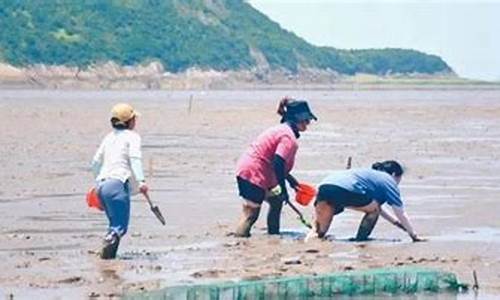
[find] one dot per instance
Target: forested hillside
(208, 34)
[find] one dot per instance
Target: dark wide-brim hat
(299, 111)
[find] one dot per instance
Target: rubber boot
(110, 245)
(250, 215)
(366, 226)
(274, 215)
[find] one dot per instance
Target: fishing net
(369, 282)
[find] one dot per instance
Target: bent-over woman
(365, 190)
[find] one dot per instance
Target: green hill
(208, 34)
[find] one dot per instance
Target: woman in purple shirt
(364, 190)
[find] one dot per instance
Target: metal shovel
(155, 209)
(299, 214)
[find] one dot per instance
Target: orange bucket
(305, 193)
(93, 199)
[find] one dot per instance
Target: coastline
(152, 76)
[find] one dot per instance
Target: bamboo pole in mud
(475, 286)
(190, 105)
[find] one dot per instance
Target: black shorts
(340, 198)
(250, 191)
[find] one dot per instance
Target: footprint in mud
(252, 277)
(109, 274)
(60, 175)
(292, 261)
(293, 234)
(348, 268)
(219, 225)
(139, 255)
(369, 240)
(208, 273)
(69, 280)
(235, 244)
(312, 251)
(23, 265)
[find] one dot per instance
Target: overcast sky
(465, 33)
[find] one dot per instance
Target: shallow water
(478, 234)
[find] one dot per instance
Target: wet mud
(448, 140)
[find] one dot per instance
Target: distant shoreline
(318, 87)
(110, 76)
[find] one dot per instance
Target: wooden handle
(146, 195)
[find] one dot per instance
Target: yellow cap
(123, 112)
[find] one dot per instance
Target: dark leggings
(340, 198)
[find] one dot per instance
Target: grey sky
(465, 33)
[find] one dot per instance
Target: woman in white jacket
(116, 164)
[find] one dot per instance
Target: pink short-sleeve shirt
(255, 165)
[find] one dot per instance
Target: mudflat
(449, 141)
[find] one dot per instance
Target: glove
(275, 191)
(278, 192)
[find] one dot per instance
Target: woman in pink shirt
(264, 167)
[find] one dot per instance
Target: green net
(369, 282)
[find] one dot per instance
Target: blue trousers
(115, 198)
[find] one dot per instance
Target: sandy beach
(449, 141)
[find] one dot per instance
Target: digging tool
(299, 214)
(294, 183)
(156, 211)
